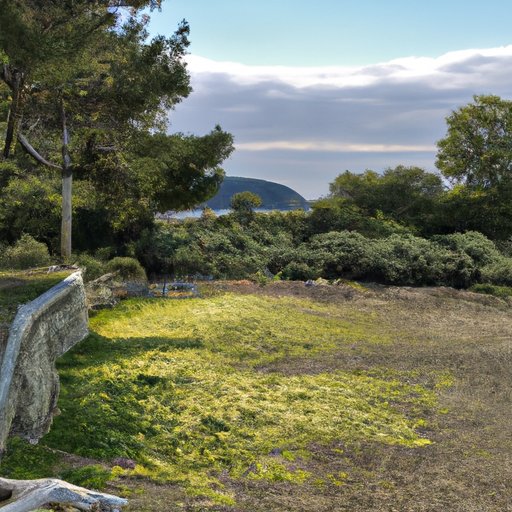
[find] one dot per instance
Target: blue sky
(310, 89)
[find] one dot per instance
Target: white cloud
(303, 126)
(443, 70)
(332, 147)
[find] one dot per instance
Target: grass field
(289, 399)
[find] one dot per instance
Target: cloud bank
(303, 126)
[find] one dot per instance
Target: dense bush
(492, 289)
(498, 272)
(477, 246)
(344, 253)
(25, 253)
(92, 267)
(336, 214)
(410, 260)
(128, 268)
(282, 243)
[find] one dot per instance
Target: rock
(42, 330)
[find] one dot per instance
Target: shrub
(344, 253)
(26, 253)
(128, 268)
(410, 260)
(92, 268)
(299, 271)
(499, 272)
(477, 246)
(491, 289)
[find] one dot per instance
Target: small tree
(243, 204)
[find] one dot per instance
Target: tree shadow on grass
(97, 350)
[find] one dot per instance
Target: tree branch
(27, 495)
(25, 144)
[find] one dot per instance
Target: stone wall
(41, 332)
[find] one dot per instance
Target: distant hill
(274, 196)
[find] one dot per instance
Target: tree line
(85, 96)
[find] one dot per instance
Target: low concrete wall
(41, 332)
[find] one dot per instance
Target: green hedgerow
(27, 252)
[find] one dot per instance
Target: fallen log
(27, 495)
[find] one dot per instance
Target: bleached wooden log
(27, 495)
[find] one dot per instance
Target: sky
(311, 89)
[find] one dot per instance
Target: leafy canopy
(477, 149)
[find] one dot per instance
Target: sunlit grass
(174, 385)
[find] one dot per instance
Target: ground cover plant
(284, 397)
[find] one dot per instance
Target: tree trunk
(67, 183)
(27, 495)
(15, 80)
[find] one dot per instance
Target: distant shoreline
(197, 212)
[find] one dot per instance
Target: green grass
(21, 287)
(176, 386)
(491, 289)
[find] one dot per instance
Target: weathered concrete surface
(41, 332)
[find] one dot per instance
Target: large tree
(85, 80)
(477, 149)
(476, 155)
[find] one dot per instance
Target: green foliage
(128, 268)
(25, 461)
(343, 253)
(91, 477)
(410, 260)
(95, 63)
(478, 247)
(491, 289)
(408, 195)
(245, 201)
(339, 214)
(476, 155)
(41, 219)
(92, 267)
(477, 148)
(18, 288)
(218, 247)
(25, 253)
(177, 171)
(299, 271)
(498, 272)
(222, 247)
(243, 205)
